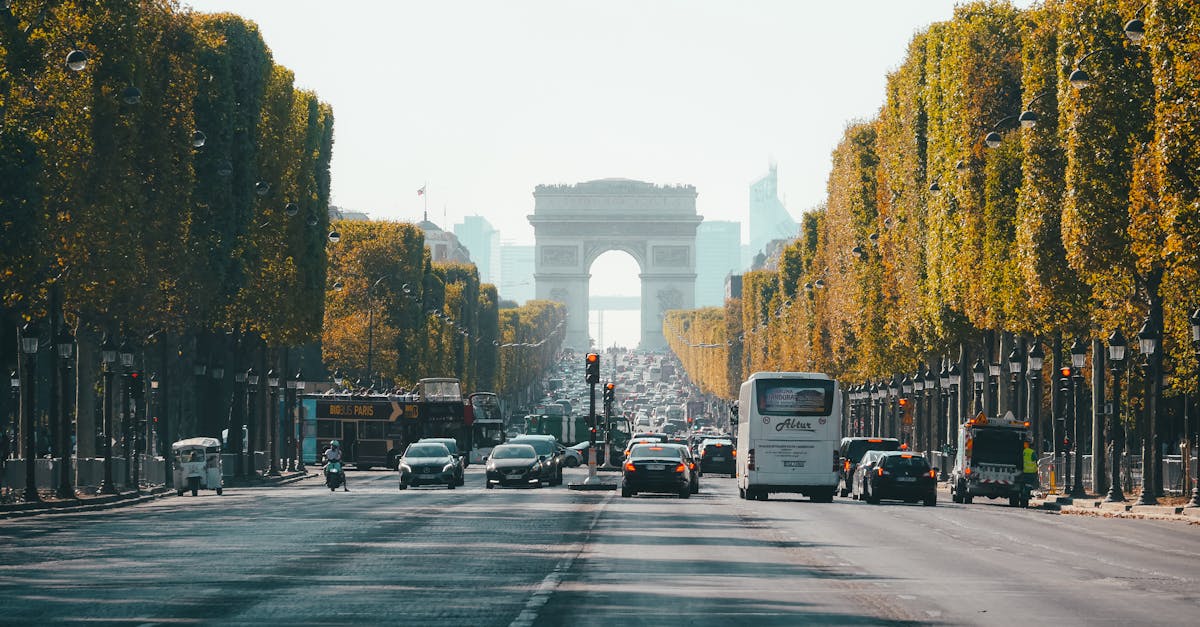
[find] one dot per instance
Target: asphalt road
(430, 556)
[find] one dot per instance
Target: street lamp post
(944, 393)
(1194, 322)
(993, 397)
(108, 355)
(125, 354)
(1016, 370)
(273, 427)
(918, 401)
(1078, 357)
(251, 417)
(1037, 359)
(906, 423)
(955, 380)
(217, 374)
(299, 385)
(931, 412)
(65, 343)
(1148, 342)
(14, 386)
(238, 423)
(29, 346)
(1116, 436)
(979, 373)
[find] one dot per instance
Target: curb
(89, 505)
(265, 482)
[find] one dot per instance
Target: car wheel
(403, 486)
(1014, 501)
(488, 485)
(741, 493)
(572, 462)
(930, 501)
(626, 492)
(685, 493)
(219, 491)
(451, 484)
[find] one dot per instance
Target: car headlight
(448, 467)
(491, 468)
(405, 468)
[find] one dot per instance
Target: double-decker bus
(487, 424)
(374, 430)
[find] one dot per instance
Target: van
(789, 435)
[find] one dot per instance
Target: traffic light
(592, 373)
(1064, 381)
(609, 390)
(135, 385)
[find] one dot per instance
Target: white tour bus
(789, 432)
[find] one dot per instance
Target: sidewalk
(93, 503)
(1096, 506)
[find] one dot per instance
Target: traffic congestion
(635, 418)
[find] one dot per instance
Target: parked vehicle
(515, 465)
(429, 463)
(853, 449)
(658, 468)
(989, 461)
(901, 476)
(788, 436)
(197, 465)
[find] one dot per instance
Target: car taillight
(692, 465)
(932, 474)
(735, 452)
(680, 468)
(967, 470)
(846, 465)
(630, 467)
(750, 459)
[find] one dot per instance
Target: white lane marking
(551, 581)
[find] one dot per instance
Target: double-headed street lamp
(251, 425)
(297, 384)
(1016, 371)
(1148, 343)
(14, 386)
(29, 346)
(125, 355)
(993, 384)
(1116, 435)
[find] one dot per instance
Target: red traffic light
(1065, 371)
(592, 358)
(610, 387)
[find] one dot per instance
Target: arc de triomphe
(575, 224)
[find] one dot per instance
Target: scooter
(335, 477)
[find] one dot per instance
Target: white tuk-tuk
(197, 465)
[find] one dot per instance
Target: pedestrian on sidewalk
(1029, 466)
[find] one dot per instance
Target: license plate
(792, 464)
(906, 479)
(718, 459)
(426, 476)
(656, 466)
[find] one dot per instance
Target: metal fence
(1174, 478)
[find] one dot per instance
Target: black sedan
(902, 476)
(516, 465)
(718, 457)
(428, 464)
(661, 468)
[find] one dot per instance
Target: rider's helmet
(335, 444)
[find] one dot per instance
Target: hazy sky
(483, 100)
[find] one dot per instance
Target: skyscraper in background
(769, 219)
(718, 252)
(483, 240)
(516, 273)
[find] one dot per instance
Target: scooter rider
(334, 454)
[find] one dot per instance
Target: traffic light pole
(591, 478)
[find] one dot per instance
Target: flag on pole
(421, 192)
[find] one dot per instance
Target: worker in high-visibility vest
(1029, 466)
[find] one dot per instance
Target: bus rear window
(794, 397)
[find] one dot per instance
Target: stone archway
(656, 225)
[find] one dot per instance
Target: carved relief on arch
(635, 249)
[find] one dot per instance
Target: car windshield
(654, 451)
(427, 450)
(543, 447)
(870, 457)
(514, 452)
